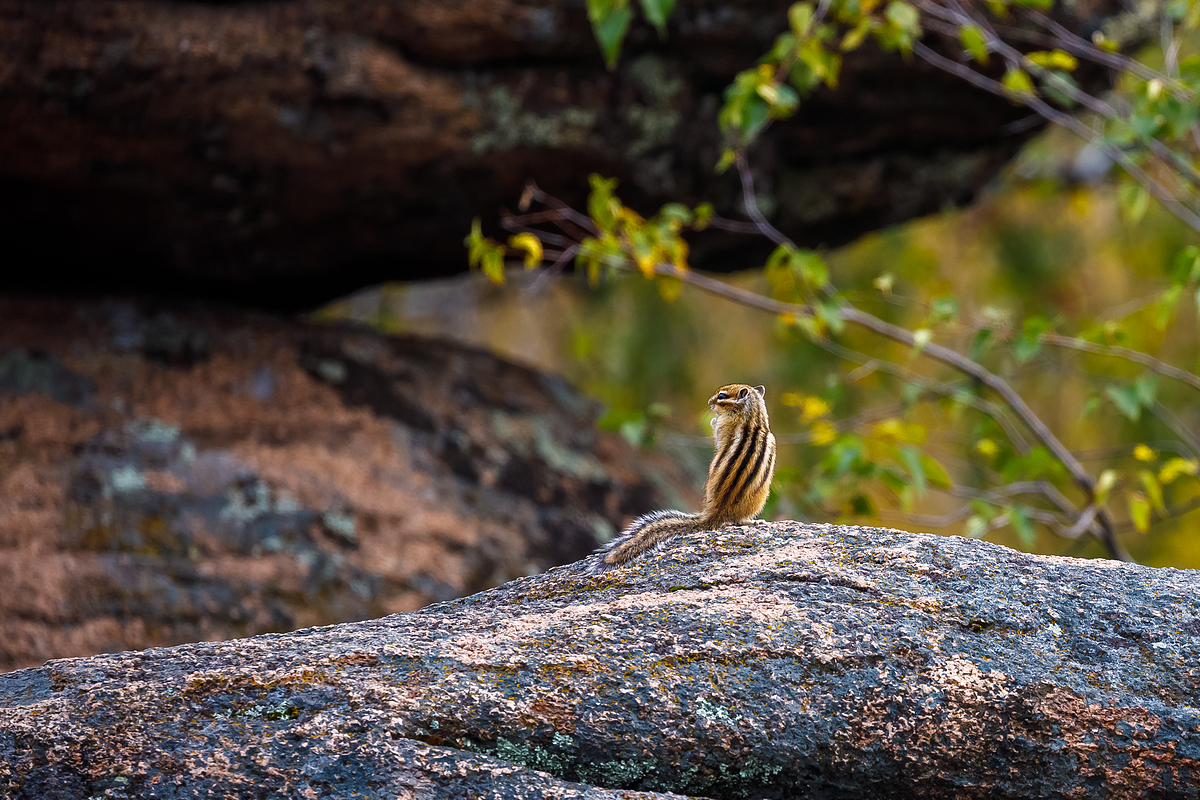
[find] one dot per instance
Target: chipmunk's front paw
(757, 522)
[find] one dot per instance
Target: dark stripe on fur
(763, 475)
(647, 532)
(729, 466)
(720, 467)
(753, 476)
(731, 480)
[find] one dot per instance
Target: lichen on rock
(782, 660)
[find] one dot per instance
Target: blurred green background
(1040, 242)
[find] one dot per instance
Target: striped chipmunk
(739, 478)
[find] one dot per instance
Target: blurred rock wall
(173, 476)
(287, 152)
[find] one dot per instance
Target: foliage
(1014, 470)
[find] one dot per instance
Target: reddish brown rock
(177, 476)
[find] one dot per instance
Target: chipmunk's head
(738, 401)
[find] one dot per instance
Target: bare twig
(1077, 45)
(1168, 418)
(554, 269)
(1067, 121)
(1095, 104)
(1150, 362)
(751, 203)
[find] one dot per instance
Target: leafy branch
(1148, 135)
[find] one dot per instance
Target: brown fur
(739, 477)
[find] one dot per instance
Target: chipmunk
(739, 478)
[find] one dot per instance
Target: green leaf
(1126, 401)
(1139, 511)
(476, 244)
(1186, 267)
(800, 17)
(493, 264)
(936, 473)
(1018, 517)
(1030, 343)
(1153, 490)
(904, 17)
(1026, 348)
(831, 315)
(1133, 199)
(862, 506)
(1044, 5)
(1104, 485)
(610, 23)
(1145, 125)
(1165, 307)
(911, 457)
(1119, 133)
(982, 343)
(855, 36)
(601, 201)
(1053, 59)
(1146, 390)
(755, 116)
(1018, 83)
(676, 213)
(728, 159)
(1038, 464)
(811, 268)
(657, 12)
(785, 102)
(530, 245)
(971, 37)
(977, 526)
(945, 309)
(782, 50)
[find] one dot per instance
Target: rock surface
(288, 152)
(784, 660)
(170, 477)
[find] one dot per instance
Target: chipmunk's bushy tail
(647, 532)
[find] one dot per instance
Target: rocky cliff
(286, 152)
(786, 660)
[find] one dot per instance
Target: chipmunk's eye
(742, 394)
(722, 396)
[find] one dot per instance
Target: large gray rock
(786, 660)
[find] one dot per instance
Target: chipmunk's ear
(762, 391)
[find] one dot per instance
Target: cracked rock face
(786, 660)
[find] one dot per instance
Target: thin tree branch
(751, 203)
(1150, 362)
(1168, 418)
(554, 269)
(1081, 47)
(1067, 121)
